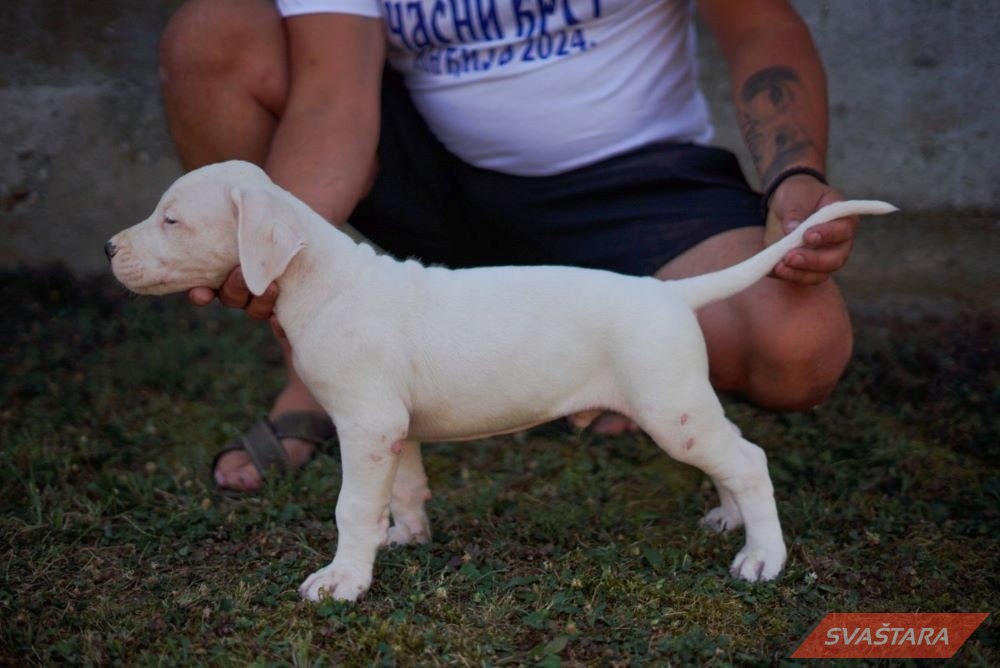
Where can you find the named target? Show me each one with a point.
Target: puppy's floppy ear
(266, 235)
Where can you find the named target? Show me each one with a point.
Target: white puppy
(399, 353)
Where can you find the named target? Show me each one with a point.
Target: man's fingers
(276, 328)
(786, 273)
(201, 296)
(261, 308)
(826, 259)
(234, 292)
(835, 232)
(825, 247)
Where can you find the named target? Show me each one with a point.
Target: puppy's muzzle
(110, 249)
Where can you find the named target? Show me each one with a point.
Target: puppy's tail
(707, 288)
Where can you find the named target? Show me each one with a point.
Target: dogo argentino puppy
(399, 353)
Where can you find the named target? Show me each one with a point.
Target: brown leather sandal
(262, 441)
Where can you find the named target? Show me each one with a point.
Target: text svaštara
(886, 636)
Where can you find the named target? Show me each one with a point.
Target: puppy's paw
(410, 529)
(337, 583)
(721, 520)
(758, 565)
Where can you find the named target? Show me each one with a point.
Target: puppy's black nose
(109, 249)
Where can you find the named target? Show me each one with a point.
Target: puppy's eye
(169, 221)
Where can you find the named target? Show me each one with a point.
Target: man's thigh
(630, 213)
(772, 325)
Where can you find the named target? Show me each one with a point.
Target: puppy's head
(207, 222)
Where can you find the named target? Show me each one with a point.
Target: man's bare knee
(797, 366)
(803, 394)
(207, 39)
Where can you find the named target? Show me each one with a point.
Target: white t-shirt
(538, 87)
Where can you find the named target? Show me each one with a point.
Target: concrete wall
(83, 148)
(914, 100)
(84, 151)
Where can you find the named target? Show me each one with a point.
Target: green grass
(548, 547)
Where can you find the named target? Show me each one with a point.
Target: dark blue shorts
(631, 213)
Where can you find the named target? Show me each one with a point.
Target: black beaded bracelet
(765, 199)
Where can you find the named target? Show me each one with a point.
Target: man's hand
(235, 294)
(825, 248)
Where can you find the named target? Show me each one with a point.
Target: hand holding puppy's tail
(707, 288)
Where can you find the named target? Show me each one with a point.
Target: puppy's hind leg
(702, 437)
(409, 493)
(747, 479)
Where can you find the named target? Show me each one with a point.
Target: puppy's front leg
(370, 460)
(409, 493)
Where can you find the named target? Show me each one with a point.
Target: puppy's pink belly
(435, 437)
(431, 428)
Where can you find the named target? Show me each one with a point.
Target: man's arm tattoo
(766, 112)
